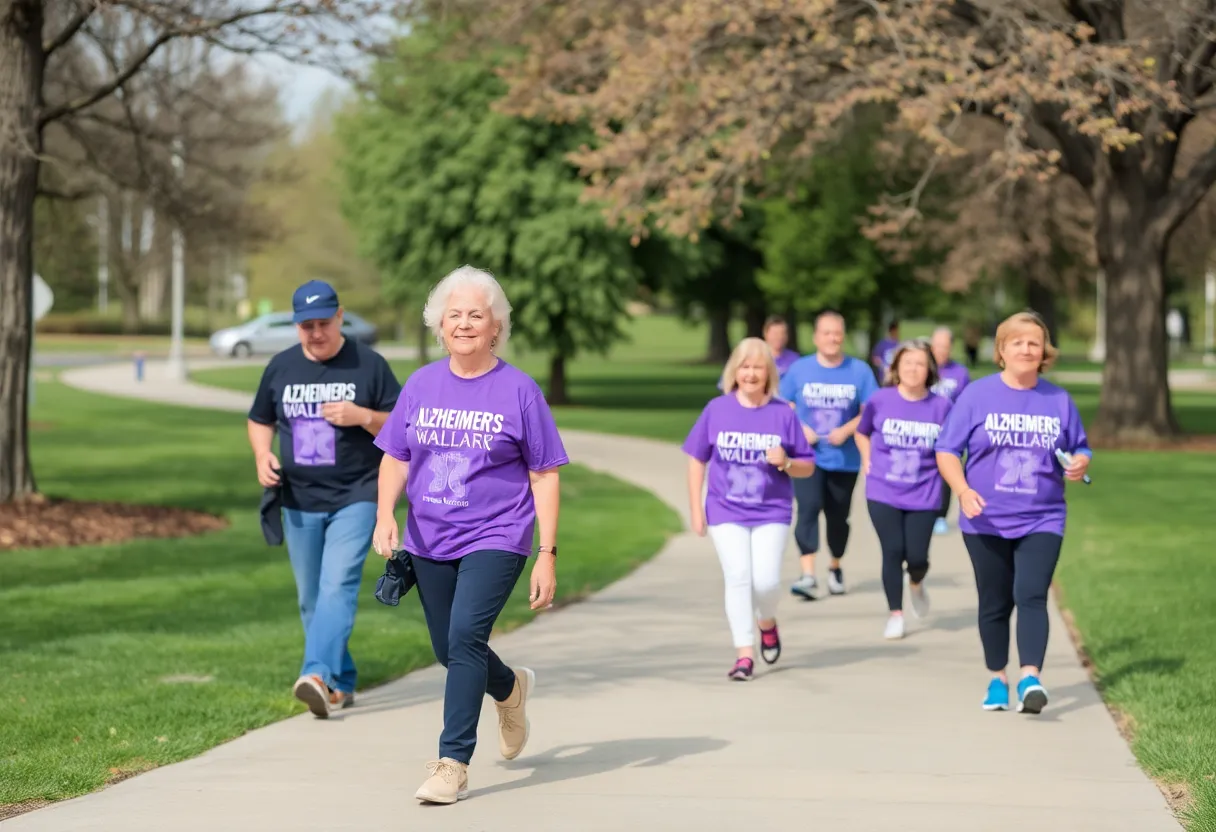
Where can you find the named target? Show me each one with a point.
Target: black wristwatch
(549, 549)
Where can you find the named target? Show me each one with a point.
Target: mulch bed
(11, 810)
(40, 523)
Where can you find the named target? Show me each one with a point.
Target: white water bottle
(1066, 459)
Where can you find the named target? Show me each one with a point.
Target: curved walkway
(635, 726)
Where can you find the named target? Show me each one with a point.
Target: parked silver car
(272, 333)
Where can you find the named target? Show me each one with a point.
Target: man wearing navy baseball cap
(316, 300)
(327, 398)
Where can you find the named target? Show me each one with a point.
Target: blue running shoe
(940, 526)
(998, 696)
(1032, 696)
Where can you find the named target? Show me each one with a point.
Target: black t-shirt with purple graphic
(325, 467)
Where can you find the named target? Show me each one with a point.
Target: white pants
(751, 567)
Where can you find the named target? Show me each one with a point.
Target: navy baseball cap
(315, 300)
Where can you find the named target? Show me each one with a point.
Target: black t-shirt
(325, 467)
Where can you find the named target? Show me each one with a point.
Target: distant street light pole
(177, 362)
(1209, 335)
(103, 253)
(1097, 352)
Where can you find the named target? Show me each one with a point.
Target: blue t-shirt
(325, 467)
(826, 398)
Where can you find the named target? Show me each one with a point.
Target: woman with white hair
(752, 444)
(473, 444)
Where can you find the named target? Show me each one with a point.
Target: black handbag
(398, 579)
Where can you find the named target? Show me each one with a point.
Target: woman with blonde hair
(1023, 438)
(898, 428)
(752, 444)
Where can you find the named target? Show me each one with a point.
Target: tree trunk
(425, 337)
(1042, 299)
(21, 68)
(719, 336)
(558, 393)
(877, 326)
(1134, 405)
(753, 317)
(791, 319)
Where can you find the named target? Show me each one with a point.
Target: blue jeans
(327, 551)
(461, 600)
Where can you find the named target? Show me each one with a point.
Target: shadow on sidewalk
(570, 762)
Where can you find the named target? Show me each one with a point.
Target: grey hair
(468, 277)
(944, 330)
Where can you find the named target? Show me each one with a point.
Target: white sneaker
(836, 581)
(918, 595)
(895, 628)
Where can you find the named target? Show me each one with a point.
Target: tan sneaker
(513, 725)
(312, 692)
(449, 782)
(339, 700)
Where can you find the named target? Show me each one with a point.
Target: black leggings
(1008, 573)
(904, 537)
(832, 493)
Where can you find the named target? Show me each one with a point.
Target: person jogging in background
(777, 336)
(952, 378)
(752, 444)
(327, 397)
(971, 344)
(827, 390)
(884, 351)
(1011, 497)
(898, 428)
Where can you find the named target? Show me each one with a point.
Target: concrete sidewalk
(636, 727)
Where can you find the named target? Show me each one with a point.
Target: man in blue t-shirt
(327, 397)
(827, 390)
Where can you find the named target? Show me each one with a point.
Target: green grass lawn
(1137, 572)
(120, 658)
(112, 344)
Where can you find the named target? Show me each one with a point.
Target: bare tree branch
(1189, 191)
(65, 195)
(70, 28)
(199, 28)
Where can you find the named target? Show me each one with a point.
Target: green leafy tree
(314, 239)
(816, 252)
(436, 177)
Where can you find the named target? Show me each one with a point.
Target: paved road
(636, 727)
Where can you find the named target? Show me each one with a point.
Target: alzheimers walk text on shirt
(826, 398)
(1010, 437)
(743, 486)
(903, 462)
(325, 466)
(471, 445)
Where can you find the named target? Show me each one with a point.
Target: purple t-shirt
(903, 462)
(1010, 437)
(952, 378)
(784, 359)
(882, 354)
(470, 443)
(744, 487)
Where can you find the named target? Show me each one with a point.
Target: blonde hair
(750, 348)
(1018, 320)
(933, 377)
